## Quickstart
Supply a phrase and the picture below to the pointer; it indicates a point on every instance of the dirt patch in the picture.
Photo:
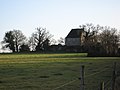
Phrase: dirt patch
(1, 81)
(57, 74)
(44, 76)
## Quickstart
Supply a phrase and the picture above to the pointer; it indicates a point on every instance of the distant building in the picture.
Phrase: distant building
(75, 37)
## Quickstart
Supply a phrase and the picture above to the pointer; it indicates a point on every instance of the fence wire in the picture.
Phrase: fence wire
(102, 70)
(107, 84)
(65, 84)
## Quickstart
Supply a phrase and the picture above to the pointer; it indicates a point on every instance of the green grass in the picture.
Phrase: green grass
(49, 71)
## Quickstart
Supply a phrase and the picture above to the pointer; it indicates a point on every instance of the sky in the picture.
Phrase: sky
(57, 16)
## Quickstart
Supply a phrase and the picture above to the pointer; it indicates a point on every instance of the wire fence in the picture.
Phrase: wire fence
(107, 84)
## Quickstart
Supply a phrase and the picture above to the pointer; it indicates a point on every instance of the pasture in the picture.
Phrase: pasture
(54, 71)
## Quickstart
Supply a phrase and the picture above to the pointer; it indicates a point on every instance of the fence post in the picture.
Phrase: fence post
(114, 76)
(82, 78)
(102, 86)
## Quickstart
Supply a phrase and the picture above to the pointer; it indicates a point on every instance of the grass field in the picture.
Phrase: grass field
(54, 71)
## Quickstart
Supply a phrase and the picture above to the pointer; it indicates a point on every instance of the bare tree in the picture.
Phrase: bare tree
(61, 41)
(8, 41)
(90, 30)
(32, 43)
(109, 40)
(19, 39)
(53, 42)
(39, 38)
(90, 35)
(14, 39)
(100, 40)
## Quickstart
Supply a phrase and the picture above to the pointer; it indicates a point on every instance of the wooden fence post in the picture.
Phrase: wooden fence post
(102, 86)
(82, 78)
(114, 76)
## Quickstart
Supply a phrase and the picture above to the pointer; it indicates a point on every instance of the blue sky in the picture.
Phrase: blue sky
(57, 16)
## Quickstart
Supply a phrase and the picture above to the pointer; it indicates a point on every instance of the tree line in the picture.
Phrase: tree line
(16, 41)
(101, 41)
(98, 40)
